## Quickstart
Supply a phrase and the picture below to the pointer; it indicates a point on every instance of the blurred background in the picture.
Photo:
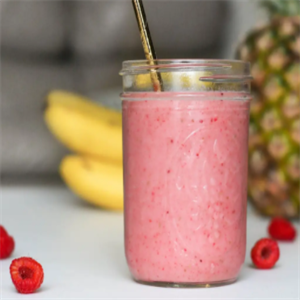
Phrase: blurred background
(79, 46)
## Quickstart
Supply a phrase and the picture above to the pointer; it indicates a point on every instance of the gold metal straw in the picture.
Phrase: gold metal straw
(147, 43)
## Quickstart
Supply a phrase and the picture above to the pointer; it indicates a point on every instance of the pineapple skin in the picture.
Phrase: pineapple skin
(274, 134)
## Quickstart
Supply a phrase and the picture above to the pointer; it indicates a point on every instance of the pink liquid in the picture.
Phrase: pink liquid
(185, 170)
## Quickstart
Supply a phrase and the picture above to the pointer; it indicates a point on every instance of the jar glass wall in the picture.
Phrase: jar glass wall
(185, 153)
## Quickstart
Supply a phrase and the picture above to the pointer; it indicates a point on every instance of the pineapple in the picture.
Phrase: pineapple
(274, 134)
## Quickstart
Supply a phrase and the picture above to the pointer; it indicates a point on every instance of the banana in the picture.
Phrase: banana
(96, 181)
(83, 126)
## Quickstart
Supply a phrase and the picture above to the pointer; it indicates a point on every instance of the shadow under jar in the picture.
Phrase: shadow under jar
(185, 170)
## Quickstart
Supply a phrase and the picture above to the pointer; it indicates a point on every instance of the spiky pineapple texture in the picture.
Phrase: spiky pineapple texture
(274, 162)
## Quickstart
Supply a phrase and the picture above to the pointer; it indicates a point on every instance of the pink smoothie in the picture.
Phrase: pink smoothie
(185, 170)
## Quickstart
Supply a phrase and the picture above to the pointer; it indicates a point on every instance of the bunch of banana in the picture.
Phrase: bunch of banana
(95, 133)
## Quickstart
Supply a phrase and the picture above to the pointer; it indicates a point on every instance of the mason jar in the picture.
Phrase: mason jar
(185, 151)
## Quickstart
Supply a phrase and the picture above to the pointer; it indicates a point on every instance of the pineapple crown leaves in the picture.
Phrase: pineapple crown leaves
(277, 8)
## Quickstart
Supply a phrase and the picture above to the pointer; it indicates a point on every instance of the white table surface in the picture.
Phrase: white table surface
(81, 250)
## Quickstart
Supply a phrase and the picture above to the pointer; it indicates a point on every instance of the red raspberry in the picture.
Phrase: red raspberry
(7, 243)
(27, 274)
(281, 229)
(265, 253)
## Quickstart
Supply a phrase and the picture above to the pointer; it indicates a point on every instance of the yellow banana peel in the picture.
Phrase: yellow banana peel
(83, 126)
(96, 181)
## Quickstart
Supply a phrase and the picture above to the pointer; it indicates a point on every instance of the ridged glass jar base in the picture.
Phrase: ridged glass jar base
(187, 284)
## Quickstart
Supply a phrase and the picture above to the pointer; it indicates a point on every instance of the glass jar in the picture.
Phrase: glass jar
(185, 154)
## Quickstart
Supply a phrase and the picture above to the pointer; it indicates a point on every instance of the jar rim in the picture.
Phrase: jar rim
(187, 60)
(219, 70)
